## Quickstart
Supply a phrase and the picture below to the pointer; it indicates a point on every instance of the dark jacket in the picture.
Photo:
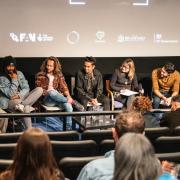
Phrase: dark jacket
(171, 119)
(58, 83)
(121, 81)
(82, 84)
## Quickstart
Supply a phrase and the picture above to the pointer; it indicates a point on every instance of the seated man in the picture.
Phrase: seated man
(103, 168)
(165, 83)
(172, 119)
(14, 90)
(89, 85)
(55, 89)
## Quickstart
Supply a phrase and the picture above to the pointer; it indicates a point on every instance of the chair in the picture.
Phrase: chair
(9, 137)
(97, 135)
(73, 149)
(7, 150)
(64, 136)
(171, 157)
(71, 166)
(4, 164)
(114, 104)
(106, 145)
(153, 133)
(167, 144)
(177, 131)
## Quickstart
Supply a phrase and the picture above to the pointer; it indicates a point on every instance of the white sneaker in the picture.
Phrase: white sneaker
(19, 107)
(28, 109)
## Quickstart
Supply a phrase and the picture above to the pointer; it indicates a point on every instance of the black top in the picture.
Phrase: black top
(121, 81)
(82, 84)
(171, 119)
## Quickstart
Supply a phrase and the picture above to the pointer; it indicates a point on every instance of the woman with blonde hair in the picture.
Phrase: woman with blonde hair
(124, 77)
(33, 159)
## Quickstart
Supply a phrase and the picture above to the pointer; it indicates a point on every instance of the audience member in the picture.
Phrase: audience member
(102, 169)
(89, 85)
(172, 119)
(55, 89)
(14, 90)
(165, 82)
(124, 77)
(135, 159)
(33, 159)
(144, 105)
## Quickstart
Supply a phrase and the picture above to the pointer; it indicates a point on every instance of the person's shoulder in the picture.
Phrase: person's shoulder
(97, 72)
(156, 70)
(6, 175)
(80, 72)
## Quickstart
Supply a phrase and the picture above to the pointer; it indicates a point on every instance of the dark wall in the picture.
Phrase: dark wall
(144, 66)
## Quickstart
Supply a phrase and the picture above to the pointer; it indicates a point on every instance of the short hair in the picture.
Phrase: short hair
(135, 159)
(142, 104)
(33, 158)
(129, 121)
(176, 98)
(90, 59)
(57, 65)
(169, 67)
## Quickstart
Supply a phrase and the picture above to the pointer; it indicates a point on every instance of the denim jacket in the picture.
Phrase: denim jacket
(10, 88)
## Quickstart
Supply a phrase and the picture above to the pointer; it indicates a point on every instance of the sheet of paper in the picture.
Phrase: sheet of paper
(127, 92)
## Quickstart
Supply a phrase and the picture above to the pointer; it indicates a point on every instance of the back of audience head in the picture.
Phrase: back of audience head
(128, 121)
(33, 158)
(135, 159)
(57, 65)
(175, 104)
(142, 104)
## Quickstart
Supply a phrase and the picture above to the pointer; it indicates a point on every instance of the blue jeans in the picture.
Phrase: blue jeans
(54, 98)
(157, 100)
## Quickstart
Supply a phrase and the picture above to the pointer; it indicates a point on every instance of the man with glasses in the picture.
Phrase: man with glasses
(165, 83)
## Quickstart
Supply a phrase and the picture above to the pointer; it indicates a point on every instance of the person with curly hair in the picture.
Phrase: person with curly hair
(144, 105)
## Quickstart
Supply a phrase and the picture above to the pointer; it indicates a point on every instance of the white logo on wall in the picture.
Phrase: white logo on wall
(77, 2)
(100, 37)
(130, 38)
(158, 38)
(141, 3)
(30, 37)
(73, 37)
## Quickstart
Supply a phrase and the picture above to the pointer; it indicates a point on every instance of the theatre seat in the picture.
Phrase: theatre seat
(63, 149)
(106, 145)
(97, 135)
(167, 144)
(64, 136)
(4, 164)
(7, 150)
(71, 166)
(171, 157)
(9, 137)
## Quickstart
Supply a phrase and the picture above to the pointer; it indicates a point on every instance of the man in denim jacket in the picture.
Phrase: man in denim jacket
(14, 90)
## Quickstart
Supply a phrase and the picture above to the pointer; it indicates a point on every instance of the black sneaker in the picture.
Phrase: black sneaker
(78, 106)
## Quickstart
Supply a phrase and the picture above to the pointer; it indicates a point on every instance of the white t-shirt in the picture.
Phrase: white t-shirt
(51, 78)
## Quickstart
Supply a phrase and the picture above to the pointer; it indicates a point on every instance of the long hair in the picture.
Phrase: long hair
(57, 65)
(130, 63)
(33, 158)
(135, 159)
(142, 104)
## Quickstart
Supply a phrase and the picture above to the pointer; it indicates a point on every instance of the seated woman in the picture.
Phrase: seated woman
(135, 159)
(124, 77)
(33, 159)
(144, 105)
